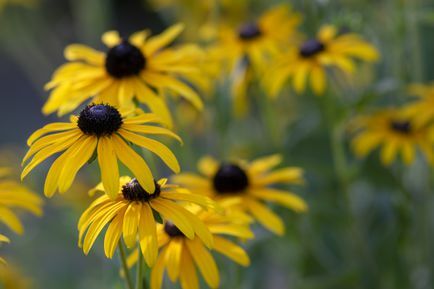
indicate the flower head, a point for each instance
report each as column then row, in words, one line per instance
column 133, row 68
column 104, row 130
column 131, row 215
column 248, row 186
column 393, row 131
column 329, row 49
column 181, row 257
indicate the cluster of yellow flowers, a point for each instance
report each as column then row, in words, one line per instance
column 174, row 227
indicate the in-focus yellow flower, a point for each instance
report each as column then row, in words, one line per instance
column 106, row 131
column 180, row 256
column 131, row 214
column 309, row 61
column 393, row 131
column 135, row 68
column 12, row 278
column 16, row 196
column 249, row 48
column 250, row 183
column 3, row 239
column 421, row 110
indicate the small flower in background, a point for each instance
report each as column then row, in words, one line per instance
column 3, row 239
column 106, row 131
column 16, row 196
column 247, row 186
column 310, row 59
column 248, row 49
column 181, row 257
column 422, row 109
column 12, row 278
column 131, row 213
column 395, row 133
column 139, row 68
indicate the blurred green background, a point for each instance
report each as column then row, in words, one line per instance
column 375, row 233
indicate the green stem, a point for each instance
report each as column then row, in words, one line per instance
column 123, row 257
column 141, row 280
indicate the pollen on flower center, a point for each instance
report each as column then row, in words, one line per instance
column 134, row 192
column 99, row 120
column 230, row 178
column 249, row 31
column 403, row 127
column 172, row 230
column 311, row 47
column 124, row 59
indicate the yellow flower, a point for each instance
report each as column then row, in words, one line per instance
column 395, row 133
column 12, row 278
column 131, row 69
column 249, row 48
column 131, row 214
column 101, row 129
column 249, row 183
column 329, row 49
column 181, row 256
column 421, row 110
column 3, row 239
column 15, row 196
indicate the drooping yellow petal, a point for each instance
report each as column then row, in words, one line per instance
column 266, row 217
column 188, row 276
column 231, row 250
column 148, row 235
column 173, row 258
column 147, row 129
column 112, row 236
column 205, row 262
column 157, row 272
column 10, row 219
column 130, row 224
column 159, row 41
column 108, row 165
column 286, row 199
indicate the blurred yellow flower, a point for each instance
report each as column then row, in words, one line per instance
column 249, row 48
column 393, row 131
column 106, row 131
column 140, row 67
column 12, row 278
column 421, row 110
column 181, row 256
column 248, row 186
column 131, row 213
column 330, row 49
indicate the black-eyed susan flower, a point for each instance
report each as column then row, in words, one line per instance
column 131, row 215
column 308, row 61
column 106, row 131
column 249, row 47
column 248, row 185
column 422, row 109
column 395, row 133
column 139, row 67
column 14, row 196
column 181, row 257
column 3, row 239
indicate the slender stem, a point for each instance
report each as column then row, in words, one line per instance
column 123, row 257
column 141, row 280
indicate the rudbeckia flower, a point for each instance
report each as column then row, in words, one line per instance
column 3, row 239
column 106, row 131
column 393, row 131
column 16, row 196
column 248, row 185
column 135, row 68
column 131, row 215
column 181, row 256
column 249, row 47
column 422, row 109
column 311, row 58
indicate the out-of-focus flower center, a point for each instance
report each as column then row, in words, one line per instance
column 249, row 31
column 311, row 47
column 99, row 120
column 124, row 60
column 403, row 127
column 172, row 230
column 230, row 178
column 134, row 192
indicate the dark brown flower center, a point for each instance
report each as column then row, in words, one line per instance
column 230, row 179
column 99, row 120
column 134, row 192
column 311, row 47
column 172, row 230
column 124, row 60
column 249, row 31
column 403, row 127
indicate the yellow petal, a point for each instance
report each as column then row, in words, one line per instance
column 148, row 235
column 112, row 236
column 188, row 276
column 204, row 261
column 173, row 258
column 111, row 38
column 266, row 217
column 231, row 250
column 157, row 42
column 108, row 165
column 130, row 224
